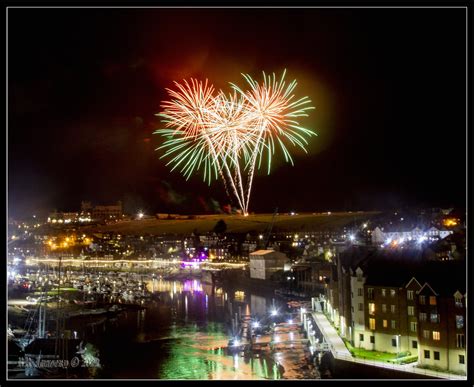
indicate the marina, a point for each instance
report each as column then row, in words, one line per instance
column 168, row 325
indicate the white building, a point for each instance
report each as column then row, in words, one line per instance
column 265, row 263
column 359, row 334
column 381, row 236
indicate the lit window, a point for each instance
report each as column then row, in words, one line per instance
column 384, row 308
column 392, row 308
column 392, row 292
column 385, row 323
column 394, row 324
column 422, row 316
column 426, row 334
column 413, row 326
column 371, row 308
column 459, row 322
column 371, row 323
column 432, row 300
column 384, row 292
column 411, row 310
column 436, row 335
column 410, row 294
column 434, row 318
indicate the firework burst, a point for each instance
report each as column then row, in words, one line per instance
column 227, row 135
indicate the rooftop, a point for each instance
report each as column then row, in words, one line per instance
column 262, row 252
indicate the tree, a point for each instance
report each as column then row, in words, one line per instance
column 220, row 227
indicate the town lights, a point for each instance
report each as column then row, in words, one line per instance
column 140, row 215
column 256, row 324
column 351, row 237
column 274, row 312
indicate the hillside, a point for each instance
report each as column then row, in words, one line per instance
column 235, row 223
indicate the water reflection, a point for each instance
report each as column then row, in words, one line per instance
column 181, row 335
column 200, row 353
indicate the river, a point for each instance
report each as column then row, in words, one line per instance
column 183, row 335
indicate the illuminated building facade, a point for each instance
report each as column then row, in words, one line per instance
column 398, row 302
column 381, row 236
column 265, row 263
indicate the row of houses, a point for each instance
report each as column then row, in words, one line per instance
column 88, row 213
column 381, row 235
column 393, row 301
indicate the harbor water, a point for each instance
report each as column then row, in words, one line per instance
column 182, row 334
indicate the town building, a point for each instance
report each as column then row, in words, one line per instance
column 265, row 263
column 389, row 305
column 63, row 217
column 442, row 317
column 401, row 302
column 311, row 275
column 218, row 254
column 107, row 212
column 386, row 235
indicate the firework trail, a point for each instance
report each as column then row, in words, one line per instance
column 228, row 134
column 188, row 117
column 273, row 110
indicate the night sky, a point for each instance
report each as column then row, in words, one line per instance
column 388, row 85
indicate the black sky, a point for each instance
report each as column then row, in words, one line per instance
column 388, row 86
